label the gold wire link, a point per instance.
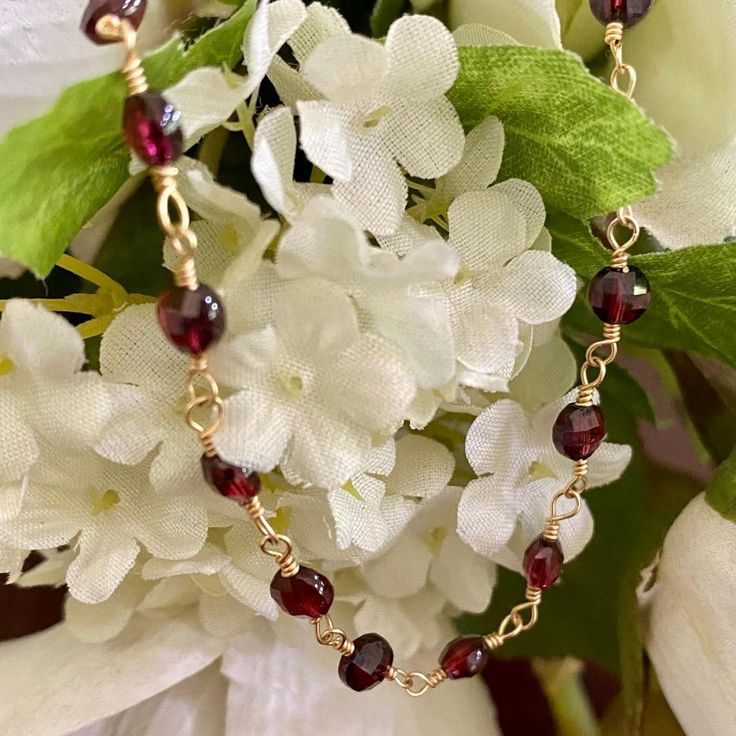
(571, 492)
(416, 684)
(204, 394)
(624, 218)
(169, 197)
(275, 545)
(621, 70)
(580, 469)
(113, 28)
(332, 637)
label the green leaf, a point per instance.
(385, 12)
(693, 300)
(60, 168)
(585, 147)
(721, 493)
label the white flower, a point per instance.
(380, 500)
(105, 511)
(504, 285)
(400, 299)
(272, 163)
(311, 390)
(44, 395)
(427, 567)
(687, 602)
(177, 678)
(520, 469)
(384, 107)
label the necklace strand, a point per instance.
(192, 317)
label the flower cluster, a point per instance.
(376, 312)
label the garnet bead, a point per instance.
(131, 10)
(628, 12)
(308, 593)
(193, 319)
(578, 431)
(618, 296)
(368, 665)
(232, 481)
(464, 656)
(152, 128)
(543, 562)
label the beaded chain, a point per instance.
(192, 317)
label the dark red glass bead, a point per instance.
(543, 562)
(578, 431)
(193, 319)
(131, 10)
(464, 656)
(628, 12)
(232, 481)
(308, 593)
(619, 296)
(368, 665)
(152, 128)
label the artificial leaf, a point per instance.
(693, 302)
(721, 493)
(585, 147)
(60, 168)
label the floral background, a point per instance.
(399, 203)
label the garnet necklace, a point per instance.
(192, 317)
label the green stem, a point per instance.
(91, 274)
(561, 680)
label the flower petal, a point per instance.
(324, 137)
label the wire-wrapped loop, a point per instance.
(332, 636)
(417, 683)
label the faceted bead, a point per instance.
(619, 296)
(464, 656)
(368, 665)
(628, 12)
(543, 562)
(152, 128)
(131, 10)
(193, 319)
(308, 593)
(232, 481)
(578, 431)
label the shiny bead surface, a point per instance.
(464, 656)
(619, 296)
(368, 665)
(152, 128)
(543, 561)
(628, 12)
(192, 319)
(131, 10)
(232, 481)
(578, 431)
(308, 593)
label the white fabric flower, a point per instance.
(686, 602)
(176, 678)
(105, 511)
(427, 566)
(504, 284)
(384, 107)
(311, 390)
(400, 299)
(377, 503)
(44, 395)
(520, 469)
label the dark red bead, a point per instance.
(628, 12)
(464, 656)
(152, 128)
(232, 481)
(543, 562)
(131, 10)
(619, 296)
(368, 665)
(193, 319)
(308, 593)
(578, 431)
